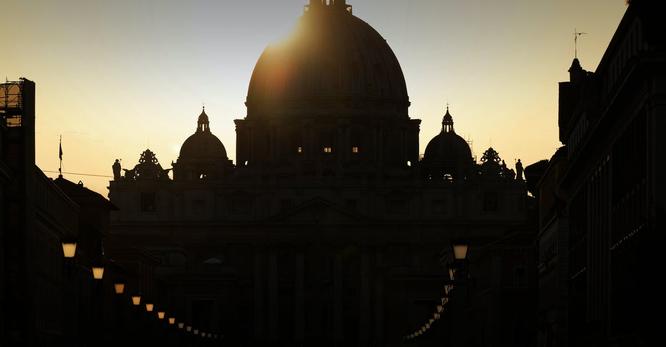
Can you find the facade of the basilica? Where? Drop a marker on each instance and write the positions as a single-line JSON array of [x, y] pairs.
[[329, 228]]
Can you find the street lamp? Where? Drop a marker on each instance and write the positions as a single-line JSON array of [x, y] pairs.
[[460, 250], [119, 287], [172, 320], [160, 314], [149, 307], [69, 249], [98, 272], [181, 325], [189, 328], [136, 300]]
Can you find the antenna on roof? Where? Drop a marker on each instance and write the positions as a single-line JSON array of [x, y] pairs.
[[576, 34]]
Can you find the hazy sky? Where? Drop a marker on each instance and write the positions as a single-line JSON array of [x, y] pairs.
[[116, 77]]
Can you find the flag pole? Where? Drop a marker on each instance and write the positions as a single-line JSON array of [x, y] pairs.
[[60, 157]]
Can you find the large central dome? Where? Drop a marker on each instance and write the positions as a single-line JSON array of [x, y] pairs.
[[333, 64]]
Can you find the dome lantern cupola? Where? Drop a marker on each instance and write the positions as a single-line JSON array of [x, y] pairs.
[[447, 122], [447, 155], [202, 123], [202, 155]]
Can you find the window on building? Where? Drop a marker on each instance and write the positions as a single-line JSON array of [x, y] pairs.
[[351, 204], [299, 150], [490, 202], [13, 121], [147, 202], [519, 277], [396, 207], [355, 149], [241, 206], [198, 207], [328, 149], [286, 204], [439, 207]]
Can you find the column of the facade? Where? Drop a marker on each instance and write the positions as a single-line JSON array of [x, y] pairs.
[[338, 301], [364, 302], [273, 297], [299, 298], [650, 242], [259, 308], [379, 301]]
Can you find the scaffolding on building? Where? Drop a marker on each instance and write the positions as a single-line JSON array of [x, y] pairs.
[[11, 103]]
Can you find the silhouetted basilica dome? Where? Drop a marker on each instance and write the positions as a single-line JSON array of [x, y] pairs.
[[334, 63], [202, 145], [448, 153]]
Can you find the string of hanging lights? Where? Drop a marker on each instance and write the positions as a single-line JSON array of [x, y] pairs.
[[460, 249], [120, 287]]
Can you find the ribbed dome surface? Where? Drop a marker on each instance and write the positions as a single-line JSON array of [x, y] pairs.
[[334, 63]]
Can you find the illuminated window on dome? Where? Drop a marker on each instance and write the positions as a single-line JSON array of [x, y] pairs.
[[328, 149], [299, 150], [355, 149]]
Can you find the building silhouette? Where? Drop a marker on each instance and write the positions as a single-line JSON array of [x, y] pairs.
[[601, 195], [329, 229], [45, 300]]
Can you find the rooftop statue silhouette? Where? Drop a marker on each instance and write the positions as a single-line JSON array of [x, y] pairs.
[[116, 169]]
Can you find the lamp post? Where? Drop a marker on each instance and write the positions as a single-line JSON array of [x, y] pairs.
[[71, 287], [459, 289], [118, 310], [97, 270]]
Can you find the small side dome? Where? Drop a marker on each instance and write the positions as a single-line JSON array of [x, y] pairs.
[[202, 145], [447, 155], [202, 155]]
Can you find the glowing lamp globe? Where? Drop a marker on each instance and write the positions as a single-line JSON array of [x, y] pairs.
[[460, 250], [119, 287], [98, 272], [136, 300], [69, 249]]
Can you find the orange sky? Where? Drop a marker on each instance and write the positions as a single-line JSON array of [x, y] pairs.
[[115, 77]]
